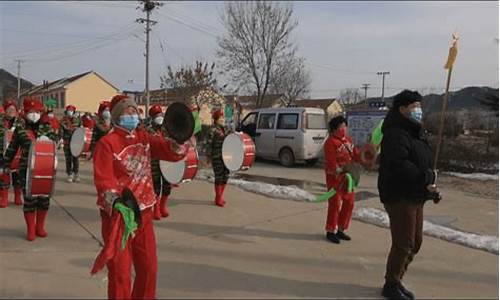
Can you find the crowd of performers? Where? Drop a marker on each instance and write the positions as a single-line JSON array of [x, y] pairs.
[[131, 191]]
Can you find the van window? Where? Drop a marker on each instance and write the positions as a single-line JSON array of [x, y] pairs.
[[316, 121], [288, 121], [250, 119], [266, 121]]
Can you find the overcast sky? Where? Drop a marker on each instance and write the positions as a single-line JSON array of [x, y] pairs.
[[344, 43]]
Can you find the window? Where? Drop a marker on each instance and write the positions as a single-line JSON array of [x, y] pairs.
[[288, 121], [250, 119], [63, 100], [316, 121], [266, 121]]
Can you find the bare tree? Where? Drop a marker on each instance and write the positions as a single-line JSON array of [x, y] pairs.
[[257, 38], [188, 81], [291, 79], [350, 96]]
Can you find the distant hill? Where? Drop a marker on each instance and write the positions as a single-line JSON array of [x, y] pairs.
[[8, 85], [466, 98]]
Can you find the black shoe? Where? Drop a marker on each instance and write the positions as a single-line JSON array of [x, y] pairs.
[[332, 237], [341, 235], [391, 291], [408, 293]]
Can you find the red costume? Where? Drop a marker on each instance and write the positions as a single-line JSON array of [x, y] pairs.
[[339, 151], [122, 159]]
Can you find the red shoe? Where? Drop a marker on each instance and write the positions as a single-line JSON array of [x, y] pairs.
[[157, 214], [30, 217], [219, 199], [41, 214], [163, 206], [18, 196], [4, 201]]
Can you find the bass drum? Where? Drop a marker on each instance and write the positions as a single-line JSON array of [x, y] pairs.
[[41, 171], [80, 141], [183, 170], [238, 151]]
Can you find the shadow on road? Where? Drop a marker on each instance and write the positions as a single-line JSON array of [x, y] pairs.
[[205, 229], [181, 276]]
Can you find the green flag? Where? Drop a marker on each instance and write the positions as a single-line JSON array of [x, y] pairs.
[[50, 102], [197, 122]]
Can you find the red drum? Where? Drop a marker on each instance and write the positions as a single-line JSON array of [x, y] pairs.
[[238, 151], [41, 172], [7, 138], [181, 171], [80, 142]]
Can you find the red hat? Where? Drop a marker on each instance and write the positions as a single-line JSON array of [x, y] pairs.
[[87, 121], [32, 104], [216, 114], [102, 106], [70, 108], [8, 103], [154, 110]]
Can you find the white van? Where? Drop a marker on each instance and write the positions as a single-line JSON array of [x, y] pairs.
[[288, 134]]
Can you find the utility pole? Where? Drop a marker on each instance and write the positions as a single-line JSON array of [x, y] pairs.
[[365, 87], [148, 6], [383, 73], [19, 61]]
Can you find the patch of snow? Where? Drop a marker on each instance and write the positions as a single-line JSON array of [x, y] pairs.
[[471, 240], [290, 192], [475, 176]]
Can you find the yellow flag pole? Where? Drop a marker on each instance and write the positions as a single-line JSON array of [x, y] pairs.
[[449, 65]]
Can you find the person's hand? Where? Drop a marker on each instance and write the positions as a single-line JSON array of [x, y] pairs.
[[208, 162], [434, 191]]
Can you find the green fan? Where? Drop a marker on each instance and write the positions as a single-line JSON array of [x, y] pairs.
[[50, 103]]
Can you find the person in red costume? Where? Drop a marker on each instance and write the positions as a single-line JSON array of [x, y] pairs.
[[88, 121], [122, 170], [339, 153]]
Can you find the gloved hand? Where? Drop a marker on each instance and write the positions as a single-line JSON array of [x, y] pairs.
[[128, 199]]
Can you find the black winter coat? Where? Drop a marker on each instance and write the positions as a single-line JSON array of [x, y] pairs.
[[405, 161]]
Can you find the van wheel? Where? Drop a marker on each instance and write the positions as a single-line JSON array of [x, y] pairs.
[[311, 162], [286, 157]]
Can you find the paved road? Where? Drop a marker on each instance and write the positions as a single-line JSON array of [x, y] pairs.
[[256, 247]]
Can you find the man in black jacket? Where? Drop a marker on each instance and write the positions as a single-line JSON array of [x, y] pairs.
[[405, 182]]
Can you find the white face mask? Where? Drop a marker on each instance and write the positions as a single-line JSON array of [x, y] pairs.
[[51, 115], [106, 115], [158, 120], [33, 117], [69, 113]]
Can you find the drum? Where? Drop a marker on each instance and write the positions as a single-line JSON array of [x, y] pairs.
[[80, 141], [41, 171], [181, 171], [7, 138], [238, 151]]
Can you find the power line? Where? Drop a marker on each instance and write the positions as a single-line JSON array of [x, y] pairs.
[[64, 46], [193, 27]]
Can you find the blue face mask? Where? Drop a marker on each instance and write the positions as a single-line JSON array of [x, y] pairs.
[[129, 122], [106, 114], [416, 115]]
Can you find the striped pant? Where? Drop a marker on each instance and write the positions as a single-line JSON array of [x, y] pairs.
[[160, 185], [72, 163], [220, 171]]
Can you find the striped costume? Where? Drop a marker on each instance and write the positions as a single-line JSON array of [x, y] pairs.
[[68, 126], [9, 124], [161, 186], [100, 130], [22, 138], [213, 151]]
